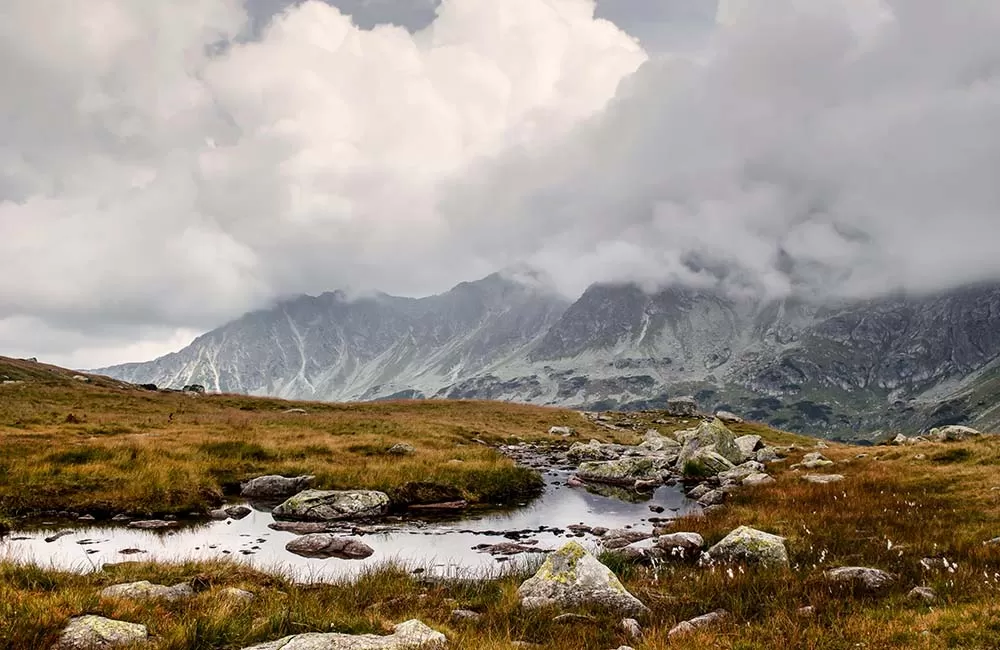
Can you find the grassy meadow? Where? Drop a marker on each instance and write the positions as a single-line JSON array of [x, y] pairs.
[[896, 506]]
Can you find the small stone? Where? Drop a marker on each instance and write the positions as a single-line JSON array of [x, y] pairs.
[[822, 479], [698, 622], [233, 593], [152, 524], [865, 578], [572, 618], [808, 610], [712, 498], [758, 478], [238, 512], [465, 615], [622, 537], [728, 417], [632, 628], [401, 449], [294, 411], [923, 594], [562, 431]]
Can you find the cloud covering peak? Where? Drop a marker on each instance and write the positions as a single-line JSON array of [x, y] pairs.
[[167, 166]]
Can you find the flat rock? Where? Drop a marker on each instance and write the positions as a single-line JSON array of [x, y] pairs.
[[747, 545], [864, 578], [698, 622], [241, 595], [952, 433], [410, 635], [302, 527], [758, 478], [823, 479], [93, 632], [622, 537], [275, 487], [680, 543], [562, 431], [465, 615], [624, 472], [145, 590], [333, 505], [326, 545], [571, 577], [151, 524], [728, 417]]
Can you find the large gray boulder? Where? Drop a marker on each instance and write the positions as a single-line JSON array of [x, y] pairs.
[[333, 505], [406, 636], [862, 578], [275, 487], [952, 433], [145, 590], [749, 445], [625, 471], [653, 442], [710, 435], [704, 463], [740, 472], [324, 545], [93, 632], [593, 450], [571, 577], [747, 545], [680, 545]]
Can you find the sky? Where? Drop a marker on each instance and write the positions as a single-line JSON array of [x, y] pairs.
[[166, 167]]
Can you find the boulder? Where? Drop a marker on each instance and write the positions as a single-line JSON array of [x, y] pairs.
[[767, 455], [237, 512], [704, 463], [324, 545], [728, 417], [682, 407], [705, 620], [814, 460], [460, 615], [900, 439], [680, 544], [145, 590], [714, 436], [333, 505], [861, 578], [922, 594], [565, 432], [758, 478], [712, 498], [410, 635], [592, 450], [625, 471], [234, 594], [749, 445], [740, 472], [571, 577], [94, 632], [622, 537], [952, 433], [654, 442], [275, 487], [747, 545]]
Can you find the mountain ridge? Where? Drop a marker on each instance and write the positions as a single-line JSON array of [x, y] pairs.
[[841, 370]]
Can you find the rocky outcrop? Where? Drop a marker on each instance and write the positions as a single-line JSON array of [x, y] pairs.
[[275, 487], [749, 546], [145, 590], [325, 545], [333, 505], [411, 635], [571, 577], [97, 633]]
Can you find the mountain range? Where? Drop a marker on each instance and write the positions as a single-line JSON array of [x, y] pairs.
[[850, 370]]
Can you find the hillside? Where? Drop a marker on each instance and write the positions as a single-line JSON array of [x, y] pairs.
[[842, 371]]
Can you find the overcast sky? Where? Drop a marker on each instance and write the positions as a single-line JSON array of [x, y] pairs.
[[167, 166]]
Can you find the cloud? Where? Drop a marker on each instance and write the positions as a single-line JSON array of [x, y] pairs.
[[829, 149], [175, 165], [167, 166]]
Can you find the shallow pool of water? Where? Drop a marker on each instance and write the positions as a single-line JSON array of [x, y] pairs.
[[439, 548]]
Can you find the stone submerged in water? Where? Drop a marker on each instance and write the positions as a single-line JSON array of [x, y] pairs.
[[747, 545], [152, 524], [410, 635], [92, 632], [275, 487], [145, 590], [325, 545], [333, 505], [571, 577]]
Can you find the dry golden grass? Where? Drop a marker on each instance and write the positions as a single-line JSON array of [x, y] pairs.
[[892, 510], [103, 447]]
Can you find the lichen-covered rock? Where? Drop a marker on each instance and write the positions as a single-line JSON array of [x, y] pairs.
[[275, 487], [97, 632], [714, 436], [333, 505], [704, 463], [654, 442], [410, 635], [698, 622], [571, 577], [324, 545], [747, 545], [823, 479], [862, 578], [592, 450], [815, 460], [767, 455], [625, 471], [145, 590]]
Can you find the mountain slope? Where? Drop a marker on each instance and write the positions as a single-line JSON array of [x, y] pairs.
[[844, 370]]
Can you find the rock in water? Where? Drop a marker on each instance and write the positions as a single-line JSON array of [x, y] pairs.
[[92, 632], [572, 577], [324, 545], [275, 487], [332, 505], [623, 472], [145, 590], [747, 545], [410, 635], [864, 578]]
